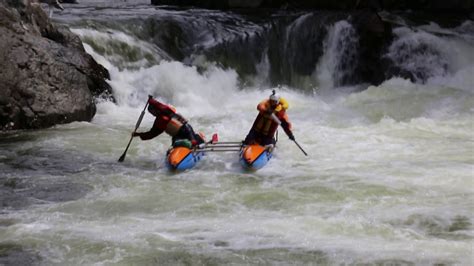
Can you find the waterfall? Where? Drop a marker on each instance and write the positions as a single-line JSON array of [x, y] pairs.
[[339, 59]]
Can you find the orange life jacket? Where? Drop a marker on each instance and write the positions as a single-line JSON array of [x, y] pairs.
[[267, 125]]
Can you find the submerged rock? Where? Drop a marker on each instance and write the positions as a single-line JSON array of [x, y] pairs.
[[47, 77], [14, 254]]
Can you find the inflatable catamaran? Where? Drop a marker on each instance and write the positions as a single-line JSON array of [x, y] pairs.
[[254, 156], [183, 157]]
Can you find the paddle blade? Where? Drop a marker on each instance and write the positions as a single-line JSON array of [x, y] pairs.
[[125, 151], [121, 158], [136, 127]]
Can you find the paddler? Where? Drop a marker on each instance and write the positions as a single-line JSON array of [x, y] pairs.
[[167, 120], [272, 113]]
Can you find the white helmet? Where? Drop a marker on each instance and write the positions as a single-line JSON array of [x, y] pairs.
[[275, 97]]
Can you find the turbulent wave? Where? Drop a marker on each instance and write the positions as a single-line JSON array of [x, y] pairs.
[[442, 67], [307, 50], [403, 100], [424, 55], [122, 50]]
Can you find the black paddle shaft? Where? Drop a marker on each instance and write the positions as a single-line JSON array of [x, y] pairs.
[[300, 147], [136, 127]]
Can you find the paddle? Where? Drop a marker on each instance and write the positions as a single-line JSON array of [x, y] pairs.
[[136, 127], [300, 147], [275, 118]]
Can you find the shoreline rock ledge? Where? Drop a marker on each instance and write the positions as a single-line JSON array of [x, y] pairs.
[[46, 77]]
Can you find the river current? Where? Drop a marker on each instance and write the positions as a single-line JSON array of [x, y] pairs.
[[388, 179]]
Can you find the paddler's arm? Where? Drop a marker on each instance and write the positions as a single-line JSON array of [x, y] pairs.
[[286, 125], [153, 132]]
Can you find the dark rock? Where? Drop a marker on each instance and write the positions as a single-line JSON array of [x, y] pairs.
[[47, 78], [292, 41], [61, 1], [297, 44], [374, 38], [442, 5], [244, 3]]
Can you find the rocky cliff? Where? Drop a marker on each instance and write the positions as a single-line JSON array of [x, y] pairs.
[[46, 77], [291, 37], [443, 5]]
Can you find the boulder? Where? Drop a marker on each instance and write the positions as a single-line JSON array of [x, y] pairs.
[[46, 77]]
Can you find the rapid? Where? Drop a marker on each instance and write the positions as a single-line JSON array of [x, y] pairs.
[[388, 180]]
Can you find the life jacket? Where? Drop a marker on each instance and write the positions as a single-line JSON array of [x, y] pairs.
[[173, 126], [166, 118], [265, 124]]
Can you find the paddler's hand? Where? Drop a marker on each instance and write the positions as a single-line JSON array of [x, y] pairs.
[[135, 134], [201, 146], [291, 136]]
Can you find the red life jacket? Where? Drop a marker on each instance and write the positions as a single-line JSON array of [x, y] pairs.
[[267, 126], [166, 118]]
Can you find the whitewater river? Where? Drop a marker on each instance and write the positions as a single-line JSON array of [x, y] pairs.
[[388, 179]]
